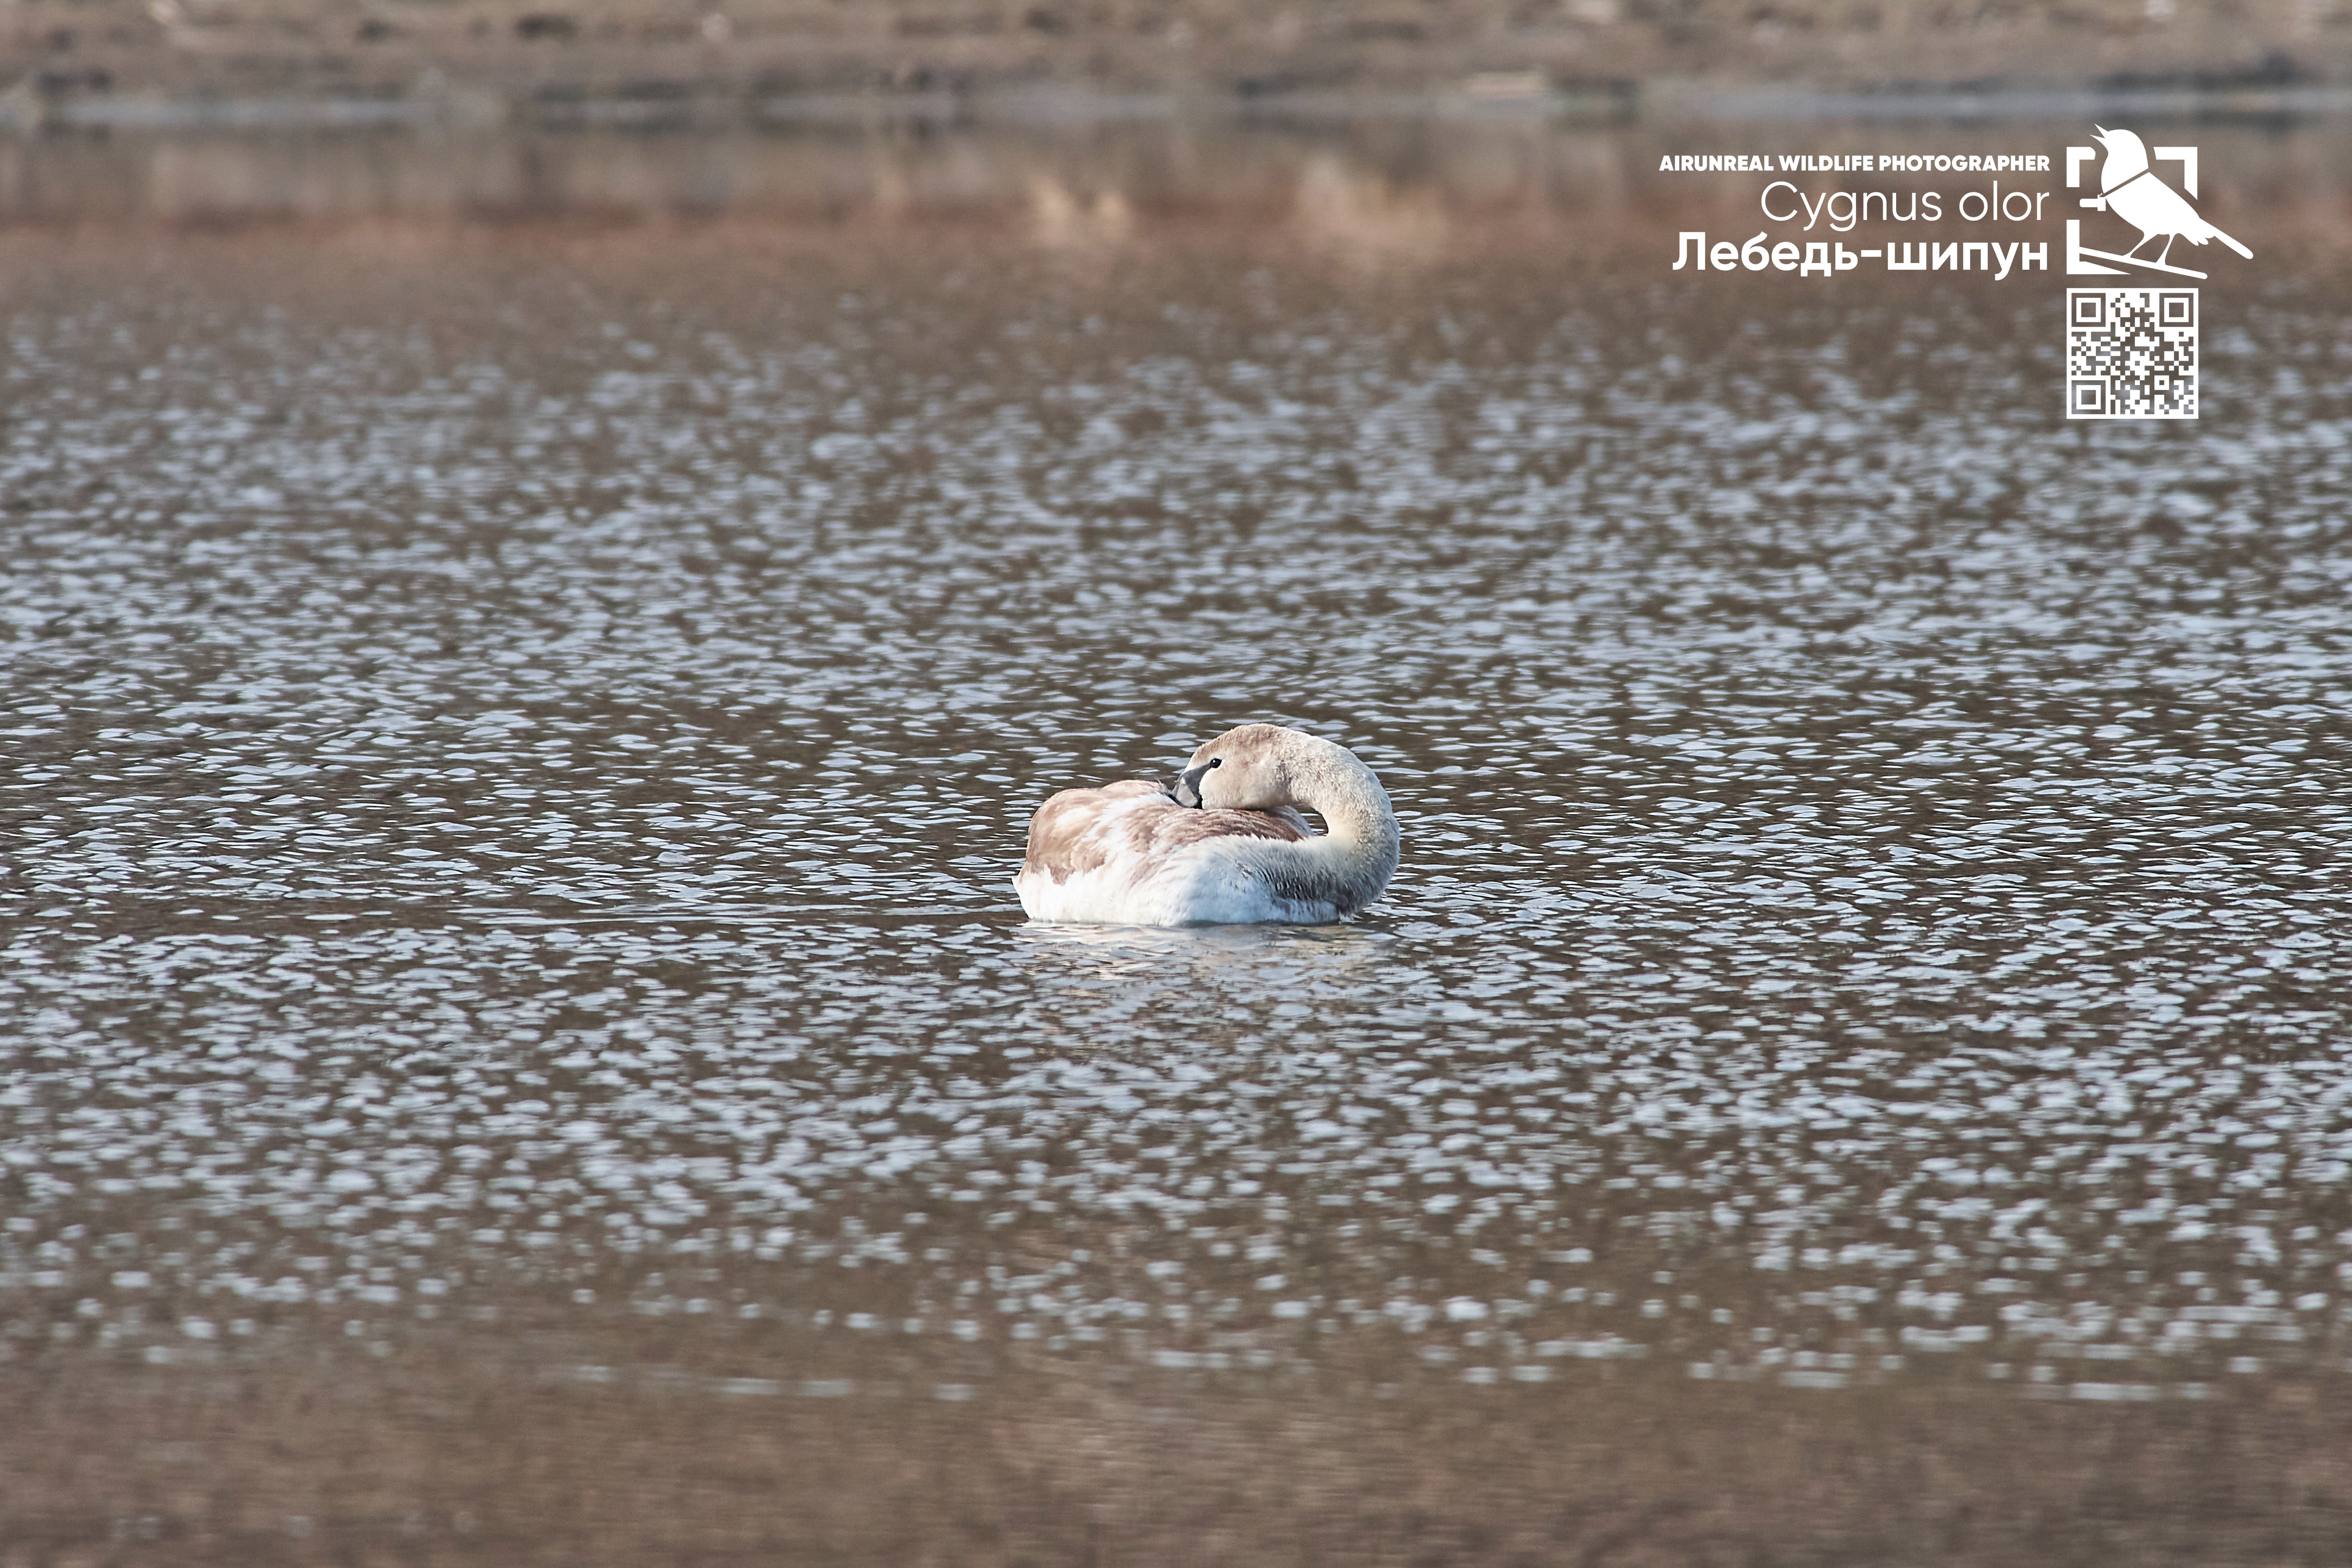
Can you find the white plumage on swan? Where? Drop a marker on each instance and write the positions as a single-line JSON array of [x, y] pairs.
[[1224, 845]]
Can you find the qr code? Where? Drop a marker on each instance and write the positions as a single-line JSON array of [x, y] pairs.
[[2131, 353]]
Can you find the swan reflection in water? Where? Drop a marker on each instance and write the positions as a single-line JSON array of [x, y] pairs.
[[1108, 987]]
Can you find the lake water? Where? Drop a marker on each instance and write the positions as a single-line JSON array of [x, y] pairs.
[[516, 742]]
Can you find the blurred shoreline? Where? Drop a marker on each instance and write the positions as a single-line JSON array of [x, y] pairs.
[[1401, 187], [1077, 123], [176, 65]]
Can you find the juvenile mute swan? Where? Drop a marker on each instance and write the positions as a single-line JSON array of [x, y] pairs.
[[1224, 845]]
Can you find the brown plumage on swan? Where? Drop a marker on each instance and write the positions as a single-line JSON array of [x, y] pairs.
[[1074, 833]]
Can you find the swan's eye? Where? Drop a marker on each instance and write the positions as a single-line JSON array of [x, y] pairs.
[[1216, 762]]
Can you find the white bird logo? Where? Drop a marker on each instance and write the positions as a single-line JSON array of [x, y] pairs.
[[2130, 187]]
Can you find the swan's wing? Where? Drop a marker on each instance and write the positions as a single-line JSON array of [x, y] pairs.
[[1082, 830]]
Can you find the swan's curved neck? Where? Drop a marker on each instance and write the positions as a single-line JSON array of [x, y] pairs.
[[1360, 849]]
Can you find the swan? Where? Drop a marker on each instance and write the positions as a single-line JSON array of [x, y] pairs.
[[1224, 845]]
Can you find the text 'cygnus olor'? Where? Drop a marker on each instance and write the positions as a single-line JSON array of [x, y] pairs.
[[1224, 845]]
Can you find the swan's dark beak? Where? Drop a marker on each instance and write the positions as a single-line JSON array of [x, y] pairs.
[[1187, 787]]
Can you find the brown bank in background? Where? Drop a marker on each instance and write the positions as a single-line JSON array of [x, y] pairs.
[[1384, 188], [131, 63]]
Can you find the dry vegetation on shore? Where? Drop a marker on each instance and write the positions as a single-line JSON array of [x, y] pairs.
[[495, 52]]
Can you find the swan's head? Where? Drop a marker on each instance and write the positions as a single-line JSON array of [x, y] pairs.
[[1257, 767]]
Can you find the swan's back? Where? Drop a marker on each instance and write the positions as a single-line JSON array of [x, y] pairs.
[[1128, 854]]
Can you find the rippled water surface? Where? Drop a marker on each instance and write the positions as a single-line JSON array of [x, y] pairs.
[[515, 758]]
